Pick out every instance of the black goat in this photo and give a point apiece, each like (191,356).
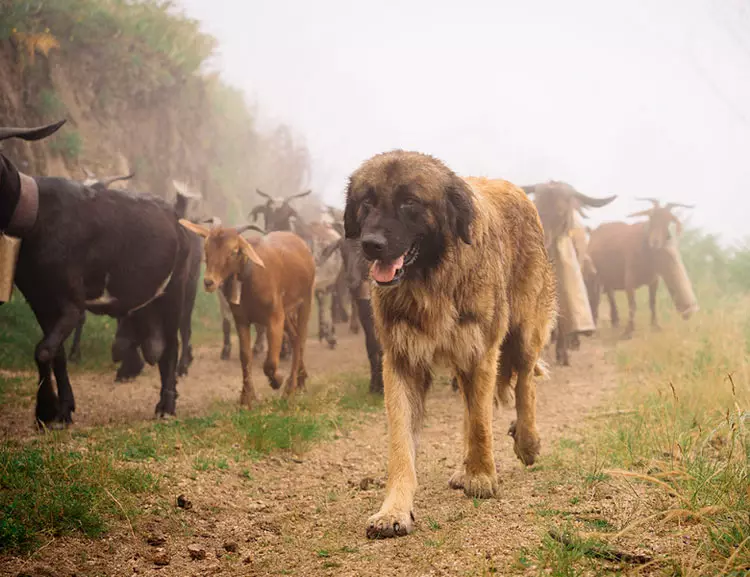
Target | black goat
(106,251)
(357,279)
(131,361)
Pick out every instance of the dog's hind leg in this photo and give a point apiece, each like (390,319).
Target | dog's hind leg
(405,390)
(525,352)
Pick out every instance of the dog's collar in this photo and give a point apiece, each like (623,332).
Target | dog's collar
(26,211)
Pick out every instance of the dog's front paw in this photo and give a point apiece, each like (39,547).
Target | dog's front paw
(391,523)
(480,485)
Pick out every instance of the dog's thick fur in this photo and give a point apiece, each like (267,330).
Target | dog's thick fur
(480,284)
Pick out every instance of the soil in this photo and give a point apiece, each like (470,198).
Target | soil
(306,515)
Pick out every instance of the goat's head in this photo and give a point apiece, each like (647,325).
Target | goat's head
(10,185)
(659,219)
(227,252)
(557,202)
(279,211)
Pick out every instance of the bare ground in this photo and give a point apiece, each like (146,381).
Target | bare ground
(306,515)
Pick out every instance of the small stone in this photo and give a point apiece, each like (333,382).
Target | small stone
(365,483)
(162,559)
(247,560)
(197,553)
(231,547)
(183,502)
(156,539)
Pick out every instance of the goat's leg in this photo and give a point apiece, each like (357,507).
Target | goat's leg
(301,323)
(561,344)
(652,288)
(374,352)
(631,314)
(75,348)
(322,328)
(260,337)
(226,326)
(67,403)
(614,316)
(186,354)
(56,324)
(132,364)
(275,332)
(248,398)
(286,348)
(354,320)
(171,315)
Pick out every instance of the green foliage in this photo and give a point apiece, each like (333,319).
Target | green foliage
(49,104)
(67,143)
(50,490)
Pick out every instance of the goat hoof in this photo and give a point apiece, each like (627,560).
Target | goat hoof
(454,384)
(224,354)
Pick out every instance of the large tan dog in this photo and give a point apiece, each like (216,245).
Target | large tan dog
(461,273)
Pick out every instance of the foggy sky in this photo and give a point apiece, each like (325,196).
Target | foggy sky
(634,98)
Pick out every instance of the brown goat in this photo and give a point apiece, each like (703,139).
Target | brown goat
(627,256)
(277,276)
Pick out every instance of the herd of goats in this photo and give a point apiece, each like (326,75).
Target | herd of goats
(81,246)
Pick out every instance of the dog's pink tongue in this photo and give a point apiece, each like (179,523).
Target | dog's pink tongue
(383,272)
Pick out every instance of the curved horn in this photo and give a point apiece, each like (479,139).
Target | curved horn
(300,195)
(594,202)
(653,201)
(243,228)
(263,194)
(214,221)
(105,182)
(88,173)
(671,205)
(641,213)
(31,133)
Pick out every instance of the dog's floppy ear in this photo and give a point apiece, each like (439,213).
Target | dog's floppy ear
(460,209)
(351,225)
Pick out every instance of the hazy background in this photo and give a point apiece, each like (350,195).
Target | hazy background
(635,98)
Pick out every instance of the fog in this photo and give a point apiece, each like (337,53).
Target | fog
(634,98)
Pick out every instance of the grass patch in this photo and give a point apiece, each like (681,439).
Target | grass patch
(72,482)
(683,445)
(50,490)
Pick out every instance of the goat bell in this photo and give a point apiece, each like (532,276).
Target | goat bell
(9,248)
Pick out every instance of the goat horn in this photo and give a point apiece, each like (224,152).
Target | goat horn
(653,201)
(263,194)
(105,182)
(214,221)
(88,173)
(300,195)
(243,228)
(641,213)
(671,205)
(594,202)
(31,133)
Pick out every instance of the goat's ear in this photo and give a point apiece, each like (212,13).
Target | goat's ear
(646,212)
(196,228)
(460,209)
(247,249)
(351,224)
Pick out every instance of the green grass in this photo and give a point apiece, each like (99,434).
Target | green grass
(684,440)
(50,490)
(79,482)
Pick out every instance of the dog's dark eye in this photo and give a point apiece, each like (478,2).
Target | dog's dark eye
(410,207)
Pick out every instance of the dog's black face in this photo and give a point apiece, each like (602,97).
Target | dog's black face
(406,208)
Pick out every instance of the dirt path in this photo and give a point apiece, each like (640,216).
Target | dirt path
(307,516)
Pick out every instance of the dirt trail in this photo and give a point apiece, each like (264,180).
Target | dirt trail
(307,516)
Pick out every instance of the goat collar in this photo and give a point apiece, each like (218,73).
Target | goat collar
(27,209)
